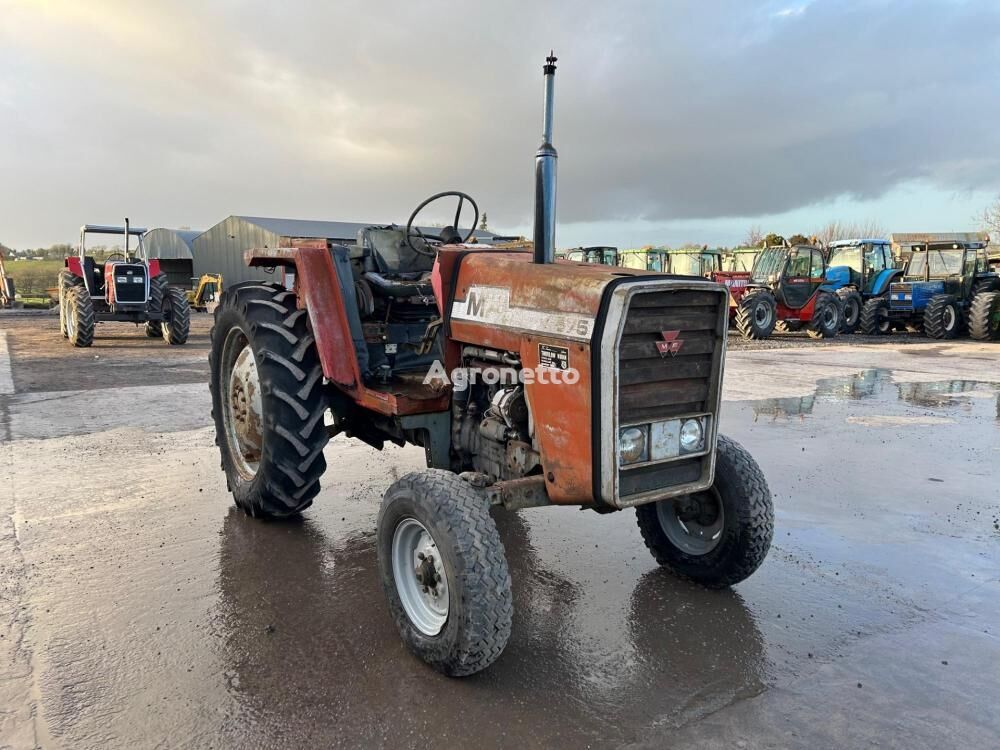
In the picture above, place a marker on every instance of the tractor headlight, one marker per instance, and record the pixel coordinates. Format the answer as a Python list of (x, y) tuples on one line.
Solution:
[(692, 437), (631, 445)]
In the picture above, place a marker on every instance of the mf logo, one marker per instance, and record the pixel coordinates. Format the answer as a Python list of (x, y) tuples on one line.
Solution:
[(670, 344), (486, 303)]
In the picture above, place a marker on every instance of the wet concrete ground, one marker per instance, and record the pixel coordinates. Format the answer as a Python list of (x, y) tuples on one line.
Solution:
[(139, 609)]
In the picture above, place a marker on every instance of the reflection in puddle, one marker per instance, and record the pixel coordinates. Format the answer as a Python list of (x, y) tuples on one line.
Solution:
[(878, 384)]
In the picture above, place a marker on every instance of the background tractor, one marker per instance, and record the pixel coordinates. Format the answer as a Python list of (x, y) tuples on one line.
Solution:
[(205, 292), (736, 266), (946, 287), (125, 287), (787, 290), (605, 256), (527, 382), (860, 271)]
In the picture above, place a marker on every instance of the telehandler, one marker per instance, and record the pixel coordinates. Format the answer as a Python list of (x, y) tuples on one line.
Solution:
[(527, 382), (205, 291)]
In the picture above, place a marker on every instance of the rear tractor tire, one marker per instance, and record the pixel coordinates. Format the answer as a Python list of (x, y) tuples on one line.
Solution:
[(852, 304), (67, 280), (942, 317), (268, 402), (984, 317), (874, 319), (79, 316), (717, 537), (176, 323), (756, 314), (827, 317), (444, 572)]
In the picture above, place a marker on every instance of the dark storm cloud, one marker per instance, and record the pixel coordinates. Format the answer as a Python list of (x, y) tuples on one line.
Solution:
[(188, 112)]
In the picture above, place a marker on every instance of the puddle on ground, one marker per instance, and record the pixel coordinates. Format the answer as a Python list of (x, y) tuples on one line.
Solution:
[(879, 387)]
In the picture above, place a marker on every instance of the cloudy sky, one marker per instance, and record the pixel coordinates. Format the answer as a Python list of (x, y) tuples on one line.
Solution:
[(675, 121)]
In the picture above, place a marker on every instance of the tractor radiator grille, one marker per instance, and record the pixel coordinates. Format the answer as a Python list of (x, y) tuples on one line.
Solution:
[(687, 326), (654, 386), (901, 296), (130, 283)]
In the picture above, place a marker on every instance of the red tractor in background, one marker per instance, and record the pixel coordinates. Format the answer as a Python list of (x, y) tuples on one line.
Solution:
[(735, 274), (125, 288), (788, 290)]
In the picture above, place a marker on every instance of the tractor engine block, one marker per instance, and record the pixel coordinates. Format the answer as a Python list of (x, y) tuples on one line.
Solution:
[(491, 422)]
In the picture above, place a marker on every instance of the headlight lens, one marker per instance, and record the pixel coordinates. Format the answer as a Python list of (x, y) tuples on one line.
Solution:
[(631, 445), (692, 435)]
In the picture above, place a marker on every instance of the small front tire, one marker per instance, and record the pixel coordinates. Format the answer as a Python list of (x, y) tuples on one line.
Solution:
[(984, 317), (176, 323), (852, 304), (942, 317), (718, 537), (444, 572)]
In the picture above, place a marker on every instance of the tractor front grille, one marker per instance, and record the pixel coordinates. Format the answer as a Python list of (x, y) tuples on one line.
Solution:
[(670, 365), (130, 283), (901, 296)]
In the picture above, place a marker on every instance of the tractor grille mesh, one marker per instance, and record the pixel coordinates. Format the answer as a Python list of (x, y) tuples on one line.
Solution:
[(133, 288), (654, 387), (901, 296)]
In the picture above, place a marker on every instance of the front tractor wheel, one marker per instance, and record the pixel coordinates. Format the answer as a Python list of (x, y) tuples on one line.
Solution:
[(942, 317), (827, 317), (444, 572), (267, 400), (176, 323), (756, 314), (851, 303), (79, 316), (984, 317), (875, 317), (717, 537)]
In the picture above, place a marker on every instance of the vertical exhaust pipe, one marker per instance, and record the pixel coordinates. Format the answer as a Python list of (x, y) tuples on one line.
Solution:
[(545, 176)]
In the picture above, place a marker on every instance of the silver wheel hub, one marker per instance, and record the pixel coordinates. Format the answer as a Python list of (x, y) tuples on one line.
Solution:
[(242, 408), (420, 577), (693, 523)]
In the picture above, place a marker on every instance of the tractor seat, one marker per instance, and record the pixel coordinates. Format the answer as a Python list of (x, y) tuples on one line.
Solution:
[(391, 255)]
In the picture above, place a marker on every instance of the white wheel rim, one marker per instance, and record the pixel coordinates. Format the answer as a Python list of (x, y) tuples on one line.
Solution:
[(70, 320), (420, 577), (949, 317), (241, 404)]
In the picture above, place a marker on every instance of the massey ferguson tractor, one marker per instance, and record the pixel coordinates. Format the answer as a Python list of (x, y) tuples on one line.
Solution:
[(126, 288), (786, 291), (526, 381)]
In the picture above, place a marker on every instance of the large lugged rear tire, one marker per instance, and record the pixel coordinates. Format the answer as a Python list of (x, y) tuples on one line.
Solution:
[(176, 323), (80, 319), (942, 317), (827, 317), (267, 400), (851, 303), (67, 279), (157, 290), (718, 537), (984, 317), (875, 317), (756, 314), (444, 572)]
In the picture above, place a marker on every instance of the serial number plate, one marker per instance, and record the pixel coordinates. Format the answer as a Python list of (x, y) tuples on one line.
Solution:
[(556, 357)]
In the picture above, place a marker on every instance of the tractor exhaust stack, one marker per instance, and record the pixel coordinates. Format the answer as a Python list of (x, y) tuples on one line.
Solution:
[(545, 176)]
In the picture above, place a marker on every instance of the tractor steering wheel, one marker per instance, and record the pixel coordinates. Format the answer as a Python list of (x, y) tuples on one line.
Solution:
[(414, 231), (116, 256)]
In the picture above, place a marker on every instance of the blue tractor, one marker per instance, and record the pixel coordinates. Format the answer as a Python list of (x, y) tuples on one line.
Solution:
[(947, 286), (860, 271)]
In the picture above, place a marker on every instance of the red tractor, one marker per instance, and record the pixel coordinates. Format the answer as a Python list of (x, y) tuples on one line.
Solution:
[(735, 274), (125, 287), (527, 382), (787, 290)]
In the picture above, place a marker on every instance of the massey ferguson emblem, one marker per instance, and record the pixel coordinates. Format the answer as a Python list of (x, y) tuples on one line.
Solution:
[(670, 344)]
